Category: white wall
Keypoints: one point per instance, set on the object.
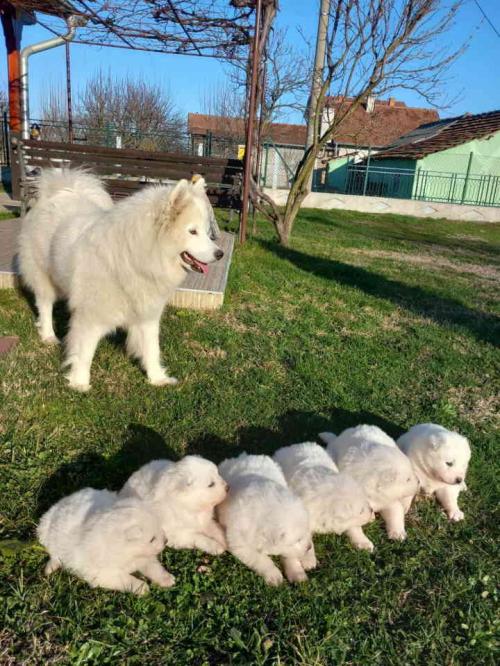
(328, 201)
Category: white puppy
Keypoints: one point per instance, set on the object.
(183, 495)
(440, 458)
(104, 540)
(335, 501)
(117, 265)
(384, 472)
(263, 517)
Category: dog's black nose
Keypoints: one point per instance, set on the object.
(458, 479)
(218, 254)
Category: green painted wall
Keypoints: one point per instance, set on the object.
(485, 160)
(336, 174)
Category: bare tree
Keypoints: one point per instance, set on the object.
(54, 114)
(373, 47)
(142, 114)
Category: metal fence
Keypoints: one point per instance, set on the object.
(4, 139)
(423, 185)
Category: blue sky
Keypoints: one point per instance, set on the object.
(475, 77)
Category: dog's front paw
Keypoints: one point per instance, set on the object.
(163, 381)
(456, 516)
(273, 577)
(140, 588)
(214, 548)
(167, 580)
(366, 544)
(397, 535)
(49, 340)
(77, 386)
(296, 576)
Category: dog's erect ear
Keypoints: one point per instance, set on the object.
(133, 533)
(179, 195)
(198, 182)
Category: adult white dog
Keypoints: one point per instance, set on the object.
(183, 496)
(117, 265)
(385, 473)
(104, 540)
(262, 517)
(440, 458)
(335, 501)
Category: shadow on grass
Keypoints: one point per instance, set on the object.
(143, 444)
(444, 311)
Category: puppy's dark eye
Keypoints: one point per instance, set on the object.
(450, 464)
(211, 485)
(193, 232)
(153, 539)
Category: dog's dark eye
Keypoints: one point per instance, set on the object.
(153, 539)
(193, 232)
(450, 464)
(211, 485)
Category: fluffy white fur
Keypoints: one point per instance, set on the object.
(335, 501)
(104, 540)
(263, 517)
(117, 265)
(385, 473)
(440, 458)
(183, 496)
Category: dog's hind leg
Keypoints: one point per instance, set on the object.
(143, 342)
(81, 343)
(45, 297)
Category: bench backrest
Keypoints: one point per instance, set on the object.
(125, 171)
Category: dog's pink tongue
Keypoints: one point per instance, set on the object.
(203, 267)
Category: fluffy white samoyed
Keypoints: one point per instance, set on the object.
(116, 264)
(262, 517)
(104, 540)
(372, 457)
(440, 458)
(334, 500)
(183, 496)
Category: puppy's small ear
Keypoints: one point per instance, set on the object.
(198, 182)
(435, 442)
(178, 196)
(133, 533)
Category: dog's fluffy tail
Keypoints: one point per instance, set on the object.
(327, 437)
(52, 181)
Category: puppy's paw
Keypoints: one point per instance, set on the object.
(296, 576)
(456, 516)
(309, 562)
(167, 580)
(49, 340)
(51, 566)
(140, 588)
(397, 535)
(365, 545)
(77, 386)
(163, 381)
(214, 548)
(274, 577)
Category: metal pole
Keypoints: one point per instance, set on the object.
(367, 168)
(12, 28)
(250, 125)
(464, 191)
(68, 93)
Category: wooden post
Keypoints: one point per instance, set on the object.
(12, 30)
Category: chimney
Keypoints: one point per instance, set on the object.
(370, 103)
(392, 101)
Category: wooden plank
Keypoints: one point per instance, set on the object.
(142, 154)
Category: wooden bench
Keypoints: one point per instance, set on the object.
(124, 171)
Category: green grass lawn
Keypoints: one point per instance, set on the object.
(378, 319)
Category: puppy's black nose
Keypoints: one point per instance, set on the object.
(218, 254)
(458, 479)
